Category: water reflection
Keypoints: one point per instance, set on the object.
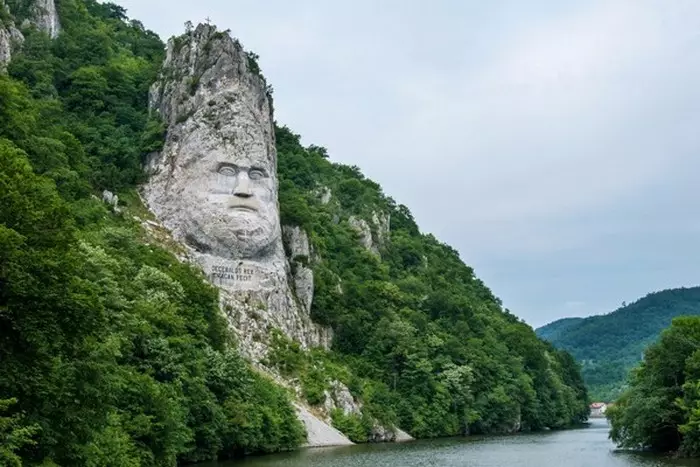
(588, 446)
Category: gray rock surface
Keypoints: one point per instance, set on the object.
(402, 436)
(382, 434)
(5, 48)
(374, 235)
(324, 194)
(297, 241)
(363, 229)
(320, 433)
(214, 186)
(300, 255)
(10, 37)
(381, 223)
(45, 17)
(110, 198)
(339, 397)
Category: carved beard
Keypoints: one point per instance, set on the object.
(233, 234)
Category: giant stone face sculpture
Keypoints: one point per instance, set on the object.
(214, 186)
(231, 176)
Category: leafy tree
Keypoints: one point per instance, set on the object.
(14, 435)
(659, 410)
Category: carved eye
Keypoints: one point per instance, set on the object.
(256, 174)
(228, 170)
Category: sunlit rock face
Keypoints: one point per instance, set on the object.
(299, 254)
(370, 240)
(42, 14)
(45, 17)
(5, 47)
(214, 185)
(10, 36)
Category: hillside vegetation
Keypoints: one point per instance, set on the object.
(553, 330)
(112, 352)
(426, 343)
(608, 346)
(660, 410)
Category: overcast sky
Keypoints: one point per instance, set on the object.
(555, 144)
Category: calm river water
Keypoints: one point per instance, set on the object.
(584, 447)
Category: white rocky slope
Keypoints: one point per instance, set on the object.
(319, 433)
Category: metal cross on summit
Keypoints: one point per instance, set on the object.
(208, 20)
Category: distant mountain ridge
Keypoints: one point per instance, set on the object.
(609, 345)
(554, 329)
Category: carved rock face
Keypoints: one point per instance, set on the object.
(231, 183)
(214, 185)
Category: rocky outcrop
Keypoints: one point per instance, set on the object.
(340, 397)
(44, 17)
(320, 433)
(374, 236)
(365, 233)
(381, 223)
(10, 36)
(323, 194)
(111, 199)
(214, 186)
(401, 436)
(299, 256)
(5, 47)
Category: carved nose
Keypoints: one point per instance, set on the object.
(242, 188)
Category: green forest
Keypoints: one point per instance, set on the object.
(609, 346)
(660, 410)
(114, 353)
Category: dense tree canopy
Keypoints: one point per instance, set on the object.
(112, 352)
(661, 408)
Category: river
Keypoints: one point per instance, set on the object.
(582, 447)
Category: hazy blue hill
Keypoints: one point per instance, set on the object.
(609, 345)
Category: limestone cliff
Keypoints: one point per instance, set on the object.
(215, 185)
(44, 17)
(41, 14)
(10, 36)
(299, 254)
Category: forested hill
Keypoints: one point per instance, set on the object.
(553, 330)
(113, 352)
(610, 345)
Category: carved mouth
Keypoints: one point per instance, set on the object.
(243, 207)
